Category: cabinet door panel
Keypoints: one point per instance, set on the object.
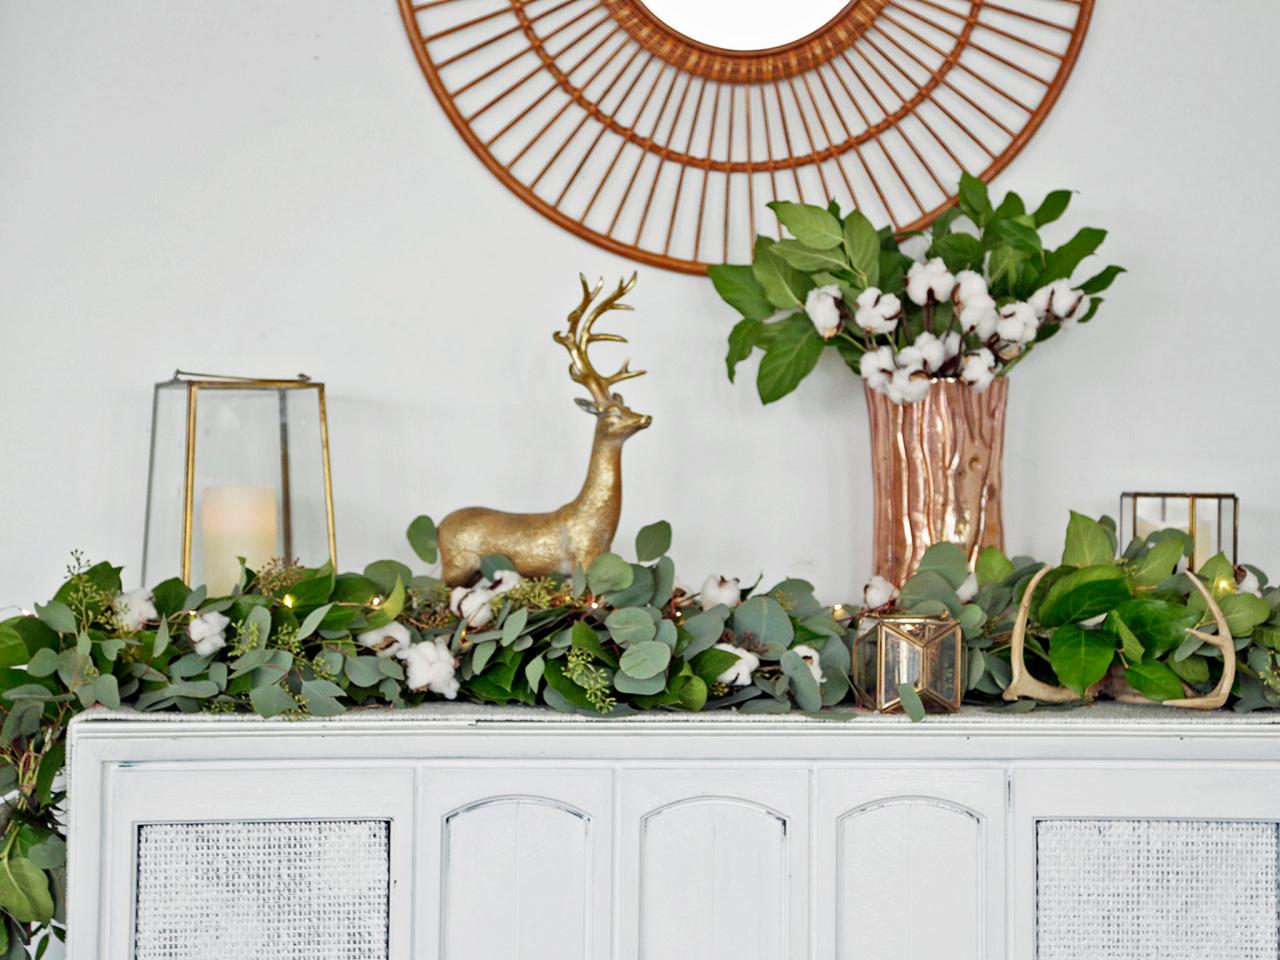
(910, 862)
(274, 860)
(1147, 860)
(712, 863)
(523, 863)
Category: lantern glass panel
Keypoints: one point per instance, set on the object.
(1211, 519)
(941, 668)
(902, 664)
(239, 469)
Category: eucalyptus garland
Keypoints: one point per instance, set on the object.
(610, 640)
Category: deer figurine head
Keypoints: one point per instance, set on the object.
(582, 529)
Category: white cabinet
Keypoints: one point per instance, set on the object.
(468, 835)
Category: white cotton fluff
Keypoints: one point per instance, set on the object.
(133, 608)
(1059, 301)
(878, 312)
(1018, 323)
(208, 633)
(969, 589)
(932, 351)
(1249, 583)
(823, 307)
(952, 344)
(811, 660)
(978, 369)
(718, 590)
(739, 675)
(931, 277)
(975, 309)
(876, 367)
(390, 640)
(970, 284)
(909, 385)
(878, 592)
(429, 666)
(471, 604)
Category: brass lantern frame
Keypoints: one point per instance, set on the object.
(197, 382)
(1129, 501)
(940, 629)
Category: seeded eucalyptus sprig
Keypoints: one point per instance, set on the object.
(986, 292)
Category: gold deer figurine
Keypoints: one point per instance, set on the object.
(581, 530)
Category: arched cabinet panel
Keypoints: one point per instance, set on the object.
(712, 864)
(910, 862)
(523, 863)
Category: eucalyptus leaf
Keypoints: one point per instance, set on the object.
(767, 623)
(653, 541)
(803, 686)
(645, 659)
(422, 538)
(609, 572)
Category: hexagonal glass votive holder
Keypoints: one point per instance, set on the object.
(922, 651)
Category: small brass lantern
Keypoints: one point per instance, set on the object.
(921, 651)
(1212, 520)
(239, 469)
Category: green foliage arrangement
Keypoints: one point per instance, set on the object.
(986, 293)
(1095, 614)
(612, 639)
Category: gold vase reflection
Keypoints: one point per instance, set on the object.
(937, 469)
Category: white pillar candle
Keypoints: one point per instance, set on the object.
(236, 522)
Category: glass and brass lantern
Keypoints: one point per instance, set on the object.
(239, 470)
(1212, 520)
(923, 652)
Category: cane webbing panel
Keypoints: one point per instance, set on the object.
(1156, 890)
(276, 890)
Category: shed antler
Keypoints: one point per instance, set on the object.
(1025, 685)
(579, 336)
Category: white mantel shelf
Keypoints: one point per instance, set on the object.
(715, 836)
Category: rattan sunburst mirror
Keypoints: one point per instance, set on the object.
(664, 145)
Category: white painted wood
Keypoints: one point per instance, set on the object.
(712, 863)
(911, 861)
(1205, 790)
(165, 792)
(515, 862)
(705, 838)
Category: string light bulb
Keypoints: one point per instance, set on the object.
(288, 600)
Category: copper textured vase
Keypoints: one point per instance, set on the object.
(937, 468)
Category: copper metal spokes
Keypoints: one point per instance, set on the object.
(665, 150)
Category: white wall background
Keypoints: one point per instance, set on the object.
(247, 186)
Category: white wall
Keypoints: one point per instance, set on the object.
(271, 187)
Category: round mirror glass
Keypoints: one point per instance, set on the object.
(754, 25)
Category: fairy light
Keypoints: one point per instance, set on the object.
(1223, 585)
(838, 611)
(288, 599)
(375, 602)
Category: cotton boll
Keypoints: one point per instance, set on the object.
(1060, 301)
(978, 369)
(931, 277)
(910, 358)
(133, 609)
(208, 633)
(429, 666)
(720, 590)
(970, 285)
(932, 351)
(910, 386)
(878, 592)
(823, 307)
(877, 312)
(471, 604)
(390, 640)
(978, 315)
(738, 675)
(876, 366)
(503, 581)
(952, 345)
(1018, 323)
(1247, 582)
(811, 660)
(969, 589)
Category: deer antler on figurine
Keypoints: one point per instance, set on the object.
(582, 529)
